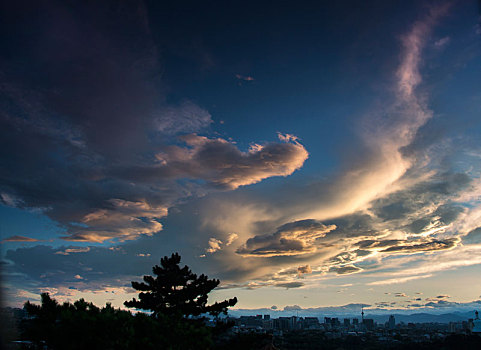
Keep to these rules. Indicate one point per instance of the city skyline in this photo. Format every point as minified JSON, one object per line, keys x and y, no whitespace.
{"x":310,"y":156}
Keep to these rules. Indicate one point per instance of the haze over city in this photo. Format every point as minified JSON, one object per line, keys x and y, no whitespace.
{"x":316,"y":157}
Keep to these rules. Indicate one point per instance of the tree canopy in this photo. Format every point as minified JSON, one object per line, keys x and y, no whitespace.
{"x":177,"y":291}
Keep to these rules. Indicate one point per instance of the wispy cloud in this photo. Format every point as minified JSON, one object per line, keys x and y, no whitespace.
{"x":244,"y":77}
{"x":397,"y":280}
{"x":20,"y":239}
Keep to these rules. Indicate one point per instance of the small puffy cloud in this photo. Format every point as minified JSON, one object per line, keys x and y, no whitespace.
{"x":231,"y":238}
{"x":294,"y":238}
{"x":146,"y":255}
{"x":78,"y":277}
{"x":68,"y":251}
{"x":274,"y":307}
{"x":401,"y":295}
{"x":304,"y":269}
{"x":287,"y":137}
{"x":20,"y":239}
{"x":292,"y":308}
{"x":288,"y":285}
{"x":214,"y":245}
{"x":244,"y":77}
{"x":186,"y":118}
{"x":442,"y":42}
{"x":345,"y":270}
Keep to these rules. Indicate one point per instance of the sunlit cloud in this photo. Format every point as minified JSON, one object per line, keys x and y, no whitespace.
{"x":20,"y":239}
{"x":290,"y":239}
{"x":214,"y":245}
{"x":121,"y":219}
{"x":397,"y":280}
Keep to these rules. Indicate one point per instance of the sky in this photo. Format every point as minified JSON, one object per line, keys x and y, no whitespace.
{"x":310,"y":155}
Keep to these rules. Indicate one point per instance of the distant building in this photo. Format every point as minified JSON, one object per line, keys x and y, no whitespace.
{"x":311,"y":323}
{"x":392,"y":322}
{"x":347,"y":322}
{"x":476,"y":324}
{"x":335,"y":322}
{"x":368,"y":324}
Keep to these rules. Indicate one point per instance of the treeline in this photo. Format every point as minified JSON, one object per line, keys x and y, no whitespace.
{"x":82,"y":325}
{"x":174,"y":296}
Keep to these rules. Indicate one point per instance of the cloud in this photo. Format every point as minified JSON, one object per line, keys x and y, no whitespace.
{"x":345,"y":270}
{"x":473,"y":237}
{"x":221,"y":163}
{"x":387,"y":203}
{"x":120,"y":219}
{"x":397,"y":280}
{"x":288,"y":285}
{"x":231,"y":238}
{"x":304,"y":269}
{"x":68,"y":251}
{"x":274,"y":307}
{"x":244,"y":77}
{"x":214,"y":245}
{"x":44,"y":266}
{"x":94,"y":135}
{"x":400,"y":295}
{"x":442,"y":42}
{"x":20,"y":239}
{"x":294,"y":238}
{"x":186,"y":118}
{"x":292,"y":308}
{"x":434,"y":245}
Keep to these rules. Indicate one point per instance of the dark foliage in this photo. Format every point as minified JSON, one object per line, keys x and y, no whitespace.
{"x":177,"y":292}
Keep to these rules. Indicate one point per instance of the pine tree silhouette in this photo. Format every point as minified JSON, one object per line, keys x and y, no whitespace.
{"x":177,"y":292}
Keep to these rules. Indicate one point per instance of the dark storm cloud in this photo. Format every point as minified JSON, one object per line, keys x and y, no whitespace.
{"x":84,"y":124}
{"x":294,"y":238}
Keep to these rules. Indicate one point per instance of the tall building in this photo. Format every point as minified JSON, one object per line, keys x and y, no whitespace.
{"x":392,"y":322}
{"x":368,"y":324}
{"x":476,"y":324}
